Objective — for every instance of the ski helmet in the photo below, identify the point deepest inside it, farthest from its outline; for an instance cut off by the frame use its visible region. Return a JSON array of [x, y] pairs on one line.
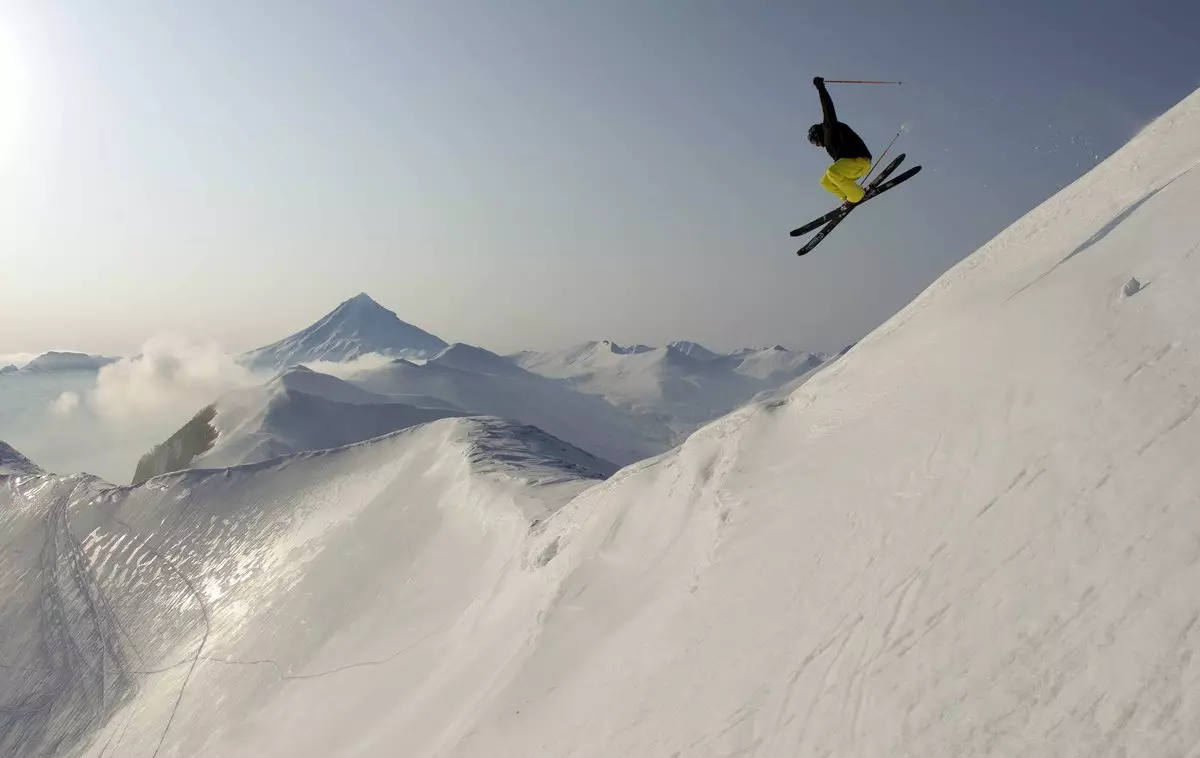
[[816, 135]]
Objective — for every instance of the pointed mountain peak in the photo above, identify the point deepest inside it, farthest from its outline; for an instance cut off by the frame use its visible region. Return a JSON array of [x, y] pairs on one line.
[[12, 462], [355, 327], [361, 302]]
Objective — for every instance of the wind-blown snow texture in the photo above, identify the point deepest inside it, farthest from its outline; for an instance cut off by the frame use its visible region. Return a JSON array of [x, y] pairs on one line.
[[975, 534], [356, 327]]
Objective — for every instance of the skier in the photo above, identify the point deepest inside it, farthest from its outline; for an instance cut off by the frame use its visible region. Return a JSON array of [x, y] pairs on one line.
[[851, 158]]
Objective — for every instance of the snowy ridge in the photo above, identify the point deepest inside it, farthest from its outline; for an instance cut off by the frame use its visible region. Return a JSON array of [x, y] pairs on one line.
[[527, 454], [194, 579], [59, 361], [356, 327], [470, 358], [694, 350], [298, 411], [13, 463], [775, 364]]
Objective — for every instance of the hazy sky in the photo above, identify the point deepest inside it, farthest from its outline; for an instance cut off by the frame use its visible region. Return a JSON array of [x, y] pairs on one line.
[[522, 174]]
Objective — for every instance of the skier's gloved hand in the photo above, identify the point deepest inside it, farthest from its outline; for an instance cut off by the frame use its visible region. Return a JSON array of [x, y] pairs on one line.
[[818, 82]]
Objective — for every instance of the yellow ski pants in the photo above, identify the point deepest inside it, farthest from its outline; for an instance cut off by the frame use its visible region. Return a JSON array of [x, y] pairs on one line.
[[840, 178]]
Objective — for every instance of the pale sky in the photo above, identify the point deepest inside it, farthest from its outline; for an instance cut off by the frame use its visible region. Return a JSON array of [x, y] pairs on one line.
[[530, 174]]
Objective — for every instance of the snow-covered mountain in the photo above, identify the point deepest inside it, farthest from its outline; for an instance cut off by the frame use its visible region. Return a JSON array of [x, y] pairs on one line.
[[974, 534], [683, 383], [482, 382], [9, 369], [694, 350], [303, 410], [125, 609], [12, 462], [477, 360], [298, 411], [775, 365], [356, 327], [57, 361]]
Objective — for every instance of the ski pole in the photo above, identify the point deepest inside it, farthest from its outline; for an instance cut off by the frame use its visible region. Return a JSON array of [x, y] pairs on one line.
[[881, 155], [857, 81]]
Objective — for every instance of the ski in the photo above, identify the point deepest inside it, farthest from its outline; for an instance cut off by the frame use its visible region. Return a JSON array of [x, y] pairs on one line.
[[811, 225], [873, 192]]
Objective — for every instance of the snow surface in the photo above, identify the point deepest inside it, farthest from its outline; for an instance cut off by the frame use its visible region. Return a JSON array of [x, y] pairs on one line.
[[162, 619], [974, 534], [356, 327]]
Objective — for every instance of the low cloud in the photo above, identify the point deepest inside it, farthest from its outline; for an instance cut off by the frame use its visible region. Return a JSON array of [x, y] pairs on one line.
[[171, 375], [65, 404], [348, 369]]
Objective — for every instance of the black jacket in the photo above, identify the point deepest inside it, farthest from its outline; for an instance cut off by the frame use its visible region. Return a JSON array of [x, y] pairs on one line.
[[840, 140]]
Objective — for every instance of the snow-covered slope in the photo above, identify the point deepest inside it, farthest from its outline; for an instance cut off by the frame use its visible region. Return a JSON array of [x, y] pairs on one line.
[[174, 617], [683, 383], [776, 365], [476, 359], [298, 411], [484, 383], [974, 534], [356, 327], [58, 361]]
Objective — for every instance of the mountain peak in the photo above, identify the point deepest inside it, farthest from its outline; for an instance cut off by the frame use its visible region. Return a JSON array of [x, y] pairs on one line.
[[12, 462], [471, 358], [613, 347], [361, 302], [355, 327], [693, 350]]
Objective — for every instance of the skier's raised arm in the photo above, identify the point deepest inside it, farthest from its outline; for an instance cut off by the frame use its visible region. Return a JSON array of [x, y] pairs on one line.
[[826, 101]]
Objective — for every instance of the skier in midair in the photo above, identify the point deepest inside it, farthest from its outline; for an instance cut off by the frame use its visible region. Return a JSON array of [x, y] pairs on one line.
[[851, 158]]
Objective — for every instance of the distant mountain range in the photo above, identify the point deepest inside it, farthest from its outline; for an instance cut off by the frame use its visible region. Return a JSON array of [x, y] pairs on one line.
[[684, 383], [621, 403], [57, 361]]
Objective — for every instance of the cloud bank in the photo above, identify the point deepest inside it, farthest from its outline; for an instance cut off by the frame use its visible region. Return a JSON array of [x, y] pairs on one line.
[[364, 362], [170, 377]]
